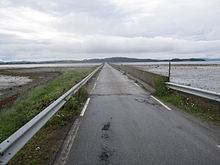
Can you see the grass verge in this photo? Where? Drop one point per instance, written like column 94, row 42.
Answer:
column 186, row 103
column 44, row 146
column 34, row 101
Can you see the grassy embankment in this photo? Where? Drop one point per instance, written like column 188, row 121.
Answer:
column 43, row 146
column 185, row 103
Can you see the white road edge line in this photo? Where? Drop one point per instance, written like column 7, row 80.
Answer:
column 97, row 78
column 161, row 103
column 68, row 143
column 136, row 84
column 94, row 86
column 85, row 106
column 218, row 146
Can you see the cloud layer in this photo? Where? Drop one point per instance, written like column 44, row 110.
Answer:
column 42, row 30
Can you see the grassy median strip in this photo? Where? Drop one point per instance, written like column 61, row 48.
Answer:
column 34, row 101
column 186, row 104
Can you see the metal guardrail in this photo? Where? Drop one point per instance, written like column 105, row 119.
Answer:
column 195, row 91
column 17, row 140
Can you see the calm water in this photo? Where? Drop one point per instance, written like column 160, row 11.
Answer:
column 159, row 63
column 10, row 81
column 48, row 65
column 195, row 75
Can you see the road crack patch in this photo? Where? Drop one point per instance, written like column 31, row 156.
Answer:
column 105, row 155
column 106, row 126
column 106, row 152
column 147, row 101
column 105, row 136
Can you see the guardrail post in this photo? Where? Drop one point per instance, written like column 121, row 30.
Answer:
column 169, row 71
column 219, row 109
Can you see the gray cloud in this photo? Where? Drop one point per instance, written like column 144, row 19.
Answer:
column 38, row 30
column 105, row 46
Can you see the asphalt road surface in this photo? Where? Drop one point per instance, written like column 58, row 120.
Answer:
column 124, row 125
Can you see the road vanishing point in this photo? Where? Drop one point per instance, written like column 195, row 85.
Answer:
column 123, row 125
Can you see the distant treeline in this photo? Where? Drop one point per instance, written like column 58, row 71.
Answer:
column 112, row 59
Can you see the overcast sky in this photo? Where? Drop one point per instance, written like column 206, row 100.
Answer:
column 79, row 29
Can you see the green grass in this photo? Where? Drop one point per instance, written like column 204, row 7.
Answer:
column 34, row 101
column 44, row 146
column 161, row 89
column 185, row 103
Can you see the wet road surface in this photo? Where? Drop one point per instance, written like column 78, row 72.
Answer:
column 124, row 125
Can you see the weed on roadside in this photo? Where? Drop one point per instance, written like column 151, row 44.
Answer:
column 185, row 103
column 44, row 146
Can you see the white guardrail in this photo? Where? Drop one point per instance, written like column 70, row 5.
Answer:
column 17, row 140
column 195, row 91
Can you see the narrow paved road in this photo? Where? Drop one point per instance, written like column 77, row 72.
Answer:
column 124, row 125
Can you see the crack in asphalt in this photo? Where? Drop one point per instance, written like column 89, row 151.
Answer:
column 121, row 94
column 106, row 126
column 106, row 151
column 105, row 136
column 147, row 101
column 105, row 155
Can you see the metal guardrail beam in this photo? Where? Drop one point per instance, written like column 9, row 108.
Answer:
column 17, row 140
column 195, row 91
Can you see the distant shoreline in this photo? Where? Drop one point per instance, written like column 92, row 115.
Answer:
column 113, row 59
